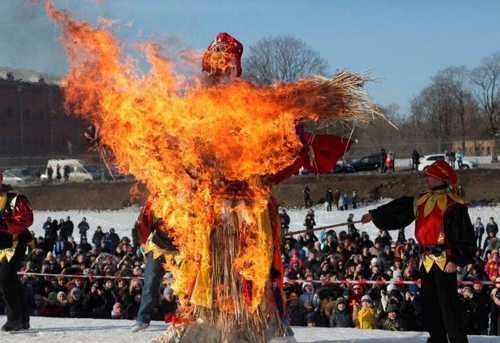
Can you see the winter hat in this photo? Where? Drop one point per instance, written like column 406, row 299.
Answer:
column 392, row 308
column 341, row 300
column 366, row 298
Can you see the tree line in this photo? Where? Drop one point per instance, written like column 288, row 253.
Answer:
column 458, row 104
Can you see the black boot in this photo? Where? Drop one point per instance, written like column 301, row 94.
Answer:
column 12, row 326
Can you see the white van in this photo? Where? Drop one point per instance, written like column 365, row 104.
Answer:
column 77, row 171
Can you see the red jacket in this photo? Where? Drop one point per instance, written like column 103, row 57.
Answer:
column 491, row 268
column 17, row 215
column 145, row 224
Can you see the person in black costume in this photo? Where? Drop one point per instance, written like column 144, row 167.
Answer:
column 446, row 237
column 16, row 216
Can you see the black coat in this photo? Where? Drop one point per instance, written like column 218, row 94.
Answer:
column 492, row 228
column 341, row 319
column 458, row 228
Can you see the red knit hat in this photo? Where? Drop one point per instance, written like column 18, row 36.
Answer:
column 441, row 170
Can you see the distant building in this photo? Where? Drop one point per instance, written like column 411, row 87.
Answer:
column 476, row 147
column 32, row 118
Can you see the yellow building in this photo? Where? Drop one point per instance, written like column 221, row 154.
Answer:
column 476, row 147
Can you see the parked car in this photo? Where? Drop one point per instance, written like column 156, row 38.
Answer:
column 11, row 179
column 343, row 168
column 25, row 175
column 427, row 160
column 77, row 170
column 367, row 163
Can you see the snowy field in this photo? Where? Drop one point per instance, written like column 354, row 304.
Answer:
column 123, row 220
column 58, row 330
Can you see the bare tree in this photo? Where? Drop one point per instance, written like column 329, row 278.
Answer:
column 454, row 84
column 486, row 78
column 282, row 58
column 446, row 105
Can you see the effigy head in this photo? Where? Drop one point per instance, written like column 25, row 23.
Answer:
column 223, row 56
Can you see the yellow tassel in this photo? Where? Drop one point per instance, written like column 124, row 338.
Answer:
column 429, row 260
column 3, row 201
column 7, row 254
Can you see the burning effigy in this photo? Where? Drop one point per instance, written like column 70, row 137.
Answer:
column 209, row 150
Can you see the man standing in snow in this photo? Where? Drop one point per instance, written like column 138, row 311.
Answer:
column 158, row 247
column 446, row 236
column 16, row 216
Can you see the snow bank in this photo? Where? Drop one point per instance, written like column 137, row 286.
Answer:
column 64, row 330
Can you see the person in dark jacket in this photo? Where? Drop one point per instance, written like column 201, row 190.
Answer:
column 329, row 200
column 307, row 197
column 94, row 304
column 470, row 311
column 50, row 227
column 446, row 235
column 16, row 216
column 83, row 227
column 321, row 316
column 66, row 172
column 75, row 304
column 297, row 313
column 309, row 221
column 483, row 306
column 415, row 158
column 495, row 309
column 113, row 239
column 341, row 316
column 285, row 222
column 97, row 237
column 392, row 322
column 479, row 231
column 492, row 227
column 58, row 173
column 383, row 157
column 50, row 173
column 412, row 312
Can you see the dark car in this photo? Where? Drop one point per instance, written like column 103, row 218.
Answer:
column 342, row 168
column 367, row 163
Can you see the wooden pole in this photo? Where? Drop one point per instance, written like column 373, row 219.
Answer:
column 321, row 228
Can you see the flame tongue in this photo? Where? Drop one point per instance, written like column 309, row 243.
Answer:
column 194, row 146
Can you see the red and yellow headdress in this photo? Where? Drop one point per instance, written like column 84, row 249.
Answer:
column 441, row 170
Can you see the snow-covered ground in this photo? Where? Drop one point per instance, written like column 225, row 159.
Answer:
column 123, row 220
column 59, row 330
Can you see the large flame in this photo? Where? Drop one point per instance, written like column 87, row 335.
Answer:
column 187, row 144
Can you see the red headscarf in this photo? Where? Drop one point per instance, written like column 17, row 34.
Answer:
column 441, row 170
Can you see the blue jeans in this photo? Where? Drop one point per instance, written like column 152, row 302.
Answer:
column 153, row 276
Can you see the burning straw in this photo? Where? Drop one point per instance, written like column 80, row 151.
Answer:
column 339, row 98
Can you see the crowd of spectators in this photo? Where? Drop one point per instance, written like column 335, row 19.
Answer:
column 316, row 266
column 96, row 296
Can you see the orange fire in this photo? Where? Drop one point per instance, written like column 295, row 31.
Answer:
column 185, row 141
